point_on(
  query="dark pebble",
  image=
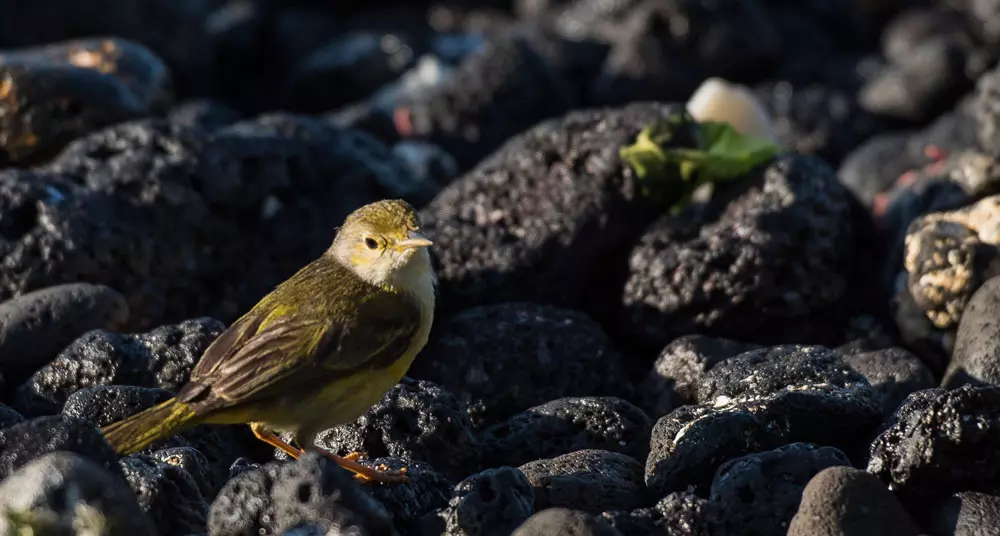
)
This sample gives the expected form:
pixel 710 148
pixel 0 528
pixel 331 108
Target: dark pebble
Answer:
pixel 548 216
pixel 167 494
pixel 205 114
pixel 241 465
pixel 194 463
pixel 54 93
pixel 744 274
pixel 940 442
pixel 566 425
pixel 495 501
pixel 426 491
pixel 955 130
pixel 589 480
pixel 917 333
pixel 282 495
pixel 350 67
pixel 842 501
pixel 161 358
pixel 40 324
pixel 690 443
pixel 74 494
pixel 503 359
pixel 976 358
pixel 847 419
pixel 175 31
pixel 681 367
pixel 9 416
pixel 766 371
pixel 965 514
pixel 875 165
pixel 218 444
pixel 868 333
pixel 416 421
pixel 430 167
pixel 677 514
pixel 564 522
pixel 985 107
pixel 641 65
pixel 758 401
pixel 817 120
pixel 893 373
pixel 510 84
pixel 145 203
pixel 920 85
pixel 760 493
pixel 912 26
pixel 28 440
pixel 102 405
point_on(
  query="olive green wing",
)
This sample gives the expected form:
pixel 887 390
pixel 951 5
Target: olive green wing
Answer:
pixel 265 359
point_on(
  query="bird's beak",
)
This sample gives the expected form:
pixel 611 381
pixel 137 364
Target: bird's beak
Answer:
pixel 413 240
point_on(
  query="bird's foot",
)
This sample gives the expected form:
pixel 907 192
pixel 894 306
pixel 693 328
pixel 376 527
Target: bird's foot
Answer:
pixel 355 456
pixel 271 439
pixel 366 475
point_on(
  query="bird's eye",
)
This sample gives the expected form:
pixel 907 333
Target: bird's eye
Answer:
pixel 371 243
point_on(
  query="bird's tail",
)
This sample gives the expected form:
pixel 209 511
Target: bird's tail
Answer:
pixel 147 427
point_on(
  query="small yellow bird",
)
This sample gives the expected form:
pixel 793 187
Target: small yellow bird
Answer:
pixel 316 352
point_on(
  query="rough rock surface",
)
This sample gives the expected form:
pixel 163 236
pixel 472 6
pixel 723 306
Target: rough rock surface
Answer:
pixel 496 500
pixel 589 480
pixel 758 401
pixel 893 373
pixel 282 495
pixel 681 366
pixel 23 442
pixel 966 514
pixel 40 324
pixel 760 493
pixel 503 359
pixel 66 493
pixel 415 421
pixel 770 263
pixel 540 218
pixel 933 445
pixel 565 425
pixel 680 513
pixel 161 358
pixel 167 494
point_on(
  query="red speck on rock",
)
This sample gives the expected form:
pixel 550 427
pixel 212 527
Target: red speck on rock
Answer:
pixel 935 153
pixel 402 121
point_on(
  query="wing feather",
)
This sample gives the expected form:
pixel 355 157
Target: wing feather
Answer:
pixel 257 359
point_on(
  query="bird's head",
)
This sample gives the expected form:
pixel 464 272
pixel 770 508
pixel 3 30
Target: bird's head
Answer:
pixel 381 243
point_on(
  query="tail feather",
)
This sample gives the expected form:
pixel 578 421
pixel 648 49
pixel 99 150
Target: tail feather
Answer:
pixel 148 427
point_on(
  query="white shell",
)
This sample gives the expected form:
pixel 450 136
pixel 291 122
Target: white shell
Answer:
pixel 718 100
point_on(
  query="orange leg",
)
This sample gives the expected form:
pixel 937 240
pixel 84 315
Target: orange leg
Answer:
pixel 364 474
pixel 275 441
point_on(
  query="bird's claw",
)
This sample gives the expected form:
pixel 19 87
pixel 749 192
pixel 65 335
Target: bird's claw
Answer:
pixel 383 475
pixel 355 456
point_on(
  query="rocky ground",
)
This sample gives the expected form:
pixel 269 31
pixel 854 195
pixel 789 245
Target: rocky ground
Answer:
pixel 813 350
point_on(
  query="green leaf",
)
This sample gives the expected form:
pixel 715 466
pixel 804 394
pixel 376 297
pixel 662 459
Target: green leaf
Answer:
pixel 729 154
pixel 646 154
pixel 722 154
